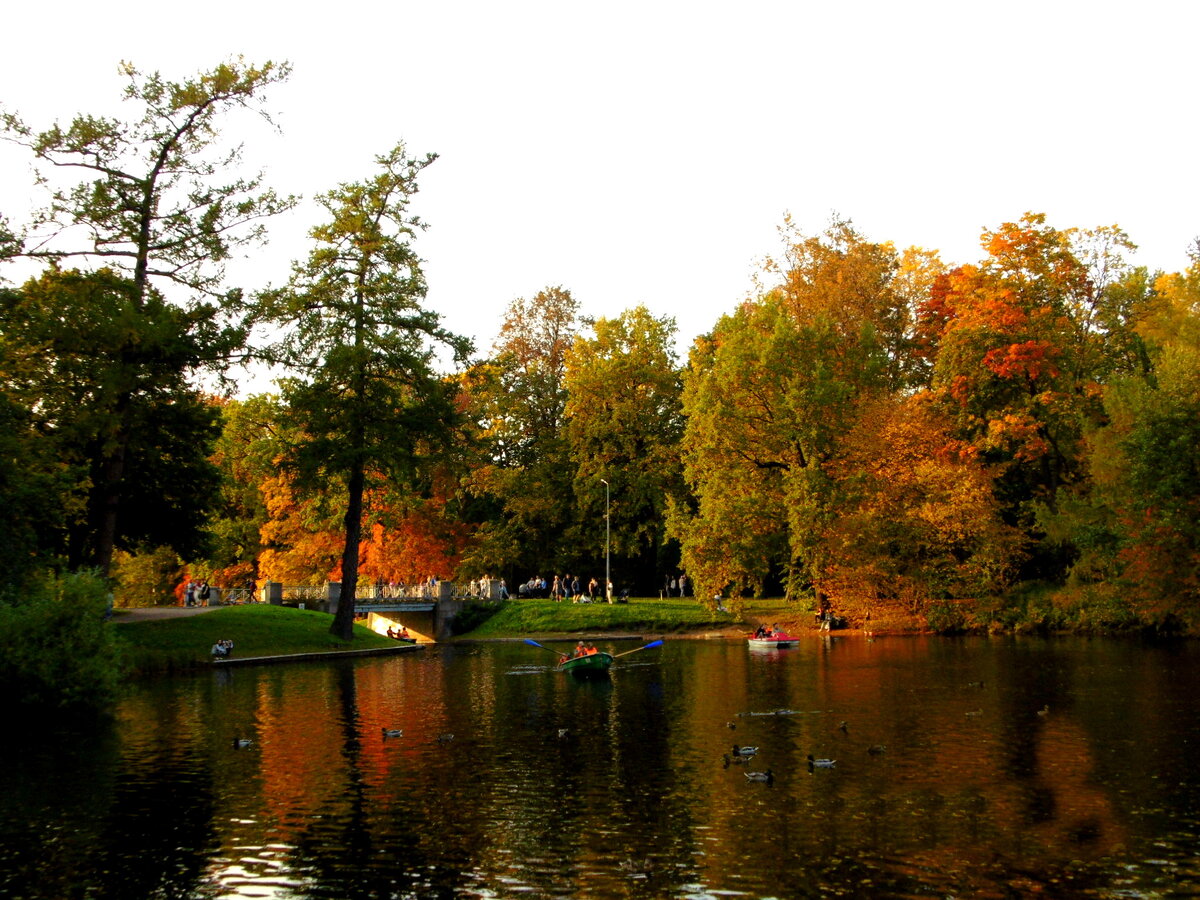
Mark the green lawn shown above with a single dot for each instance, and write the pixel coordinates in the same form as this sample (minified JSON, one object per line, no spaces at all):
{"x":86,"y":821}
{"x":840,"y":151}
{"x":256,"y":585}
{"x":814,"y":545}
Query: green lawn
{"x":255,"y":631}
{"x":640,"y":615}
{"x":258,"y":630}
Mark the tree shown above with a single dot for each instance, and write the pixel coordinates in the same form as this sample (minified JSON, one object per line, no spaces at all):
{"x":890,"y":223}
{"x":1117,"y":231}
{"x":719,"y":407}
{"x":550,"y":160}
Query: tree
{"x":769,"y":394}
{"x":1146,"y":462}
{"x":148,"y":203}
{"x":253,"y":432}
{"x":366,"y":397}
{"x":917,"y":518}
{"x":113,"y":375}
{"x":34,"y":489}
{"x":761,"y":413}
{"x":523,"y":482}
{"x":1025,"y":342}
{"x":623,"y":425}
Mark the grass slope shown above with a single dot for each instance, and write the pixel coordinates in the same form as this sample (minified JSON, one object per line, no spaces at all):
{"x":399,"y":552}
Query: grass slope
{"x":640,"y":615}
{"x":255,"y":631}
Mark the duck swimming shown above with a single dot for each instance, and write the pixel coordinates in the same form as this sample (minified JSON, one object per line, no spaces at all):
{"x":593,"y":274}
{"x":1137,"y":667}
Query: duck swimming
{"x":743,"y":751}
{"x":821,"y":763}
{"x":241,"y":743}
{"x":392,"y":732}
{"x":767,"y":776}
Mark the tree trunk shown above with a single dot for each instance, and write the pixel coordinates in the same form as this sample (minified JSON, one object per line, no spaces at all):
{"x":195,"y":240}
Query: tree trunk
{"x":109,"y":491}
{"x":343,"y":622}
{"x":108,"y":509}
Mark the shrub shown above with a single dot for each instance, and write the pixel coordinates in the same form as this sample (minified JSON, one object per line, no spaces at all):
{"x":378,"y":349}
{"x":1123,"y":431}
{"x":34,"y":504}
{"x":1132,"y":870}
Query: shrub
{"x":945,"y":617}
{"x":56,"y":651}
{"x":146,"y":578}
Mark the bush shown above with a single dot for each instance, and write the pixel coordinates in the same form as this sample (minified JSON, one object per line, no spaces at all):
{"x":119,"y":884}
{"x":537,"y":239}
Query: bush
{"x":146,"y":578}
{"x":56,"y":651}
{"x":945,"y":617}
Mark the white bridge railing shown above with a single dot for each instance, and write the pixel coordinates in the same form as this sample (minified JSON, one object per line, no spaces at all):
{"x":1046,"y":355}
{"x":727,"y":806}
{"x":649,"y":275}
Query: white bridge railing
{"x":367,"y":592}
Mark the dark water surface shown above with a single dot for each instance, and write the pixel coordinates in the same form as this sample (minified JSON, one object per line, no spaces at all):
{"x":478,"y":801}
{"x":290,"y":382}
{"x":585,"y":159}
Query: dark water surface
{"x":976,"y":794}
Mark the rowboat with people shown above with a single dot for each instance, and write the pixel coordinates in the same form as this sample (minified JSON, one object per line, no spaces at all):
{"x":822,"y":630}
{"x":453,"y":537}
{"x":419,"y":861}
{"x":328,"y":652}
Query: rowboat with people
{"x":585,"y":661}
{"x":771,"y":638}
{"x":591,"y":665}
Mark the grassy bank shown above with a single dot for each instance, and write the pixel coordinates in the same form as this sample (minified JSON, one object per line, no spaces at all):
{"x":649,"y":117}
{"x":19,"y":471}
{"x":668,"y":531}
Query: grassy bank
{"x":255,"y":631}
{"x":182,"y":643}
{"x":641,"y":615}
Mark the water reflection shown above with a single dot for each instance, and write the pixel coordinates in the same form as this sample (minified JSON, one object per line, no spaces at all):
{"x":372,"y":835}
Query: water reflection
{"x":1001,"y":768}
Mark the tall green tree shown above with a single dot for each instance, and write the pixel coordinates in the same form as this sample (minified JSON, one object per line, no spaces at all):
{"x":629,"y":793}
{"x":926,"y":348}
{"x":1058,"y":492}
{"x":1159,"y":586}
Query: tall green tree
{"x":624,"y":422}
{"x":252,"y":436}
{"x":769,"y":394}
{"x":34,"y":489}
{"x":1146,"y":464}
{"x":366,"y":394}
{"x":156,"y":197}
{"x":523,"y":482}
{"x":114,"y":376}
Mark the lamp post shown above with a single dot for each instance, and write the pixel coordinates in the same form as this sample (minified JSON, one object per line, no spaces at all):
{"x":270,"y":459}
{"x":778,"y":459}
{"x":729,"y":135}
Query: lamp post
{"x":607,"y":577}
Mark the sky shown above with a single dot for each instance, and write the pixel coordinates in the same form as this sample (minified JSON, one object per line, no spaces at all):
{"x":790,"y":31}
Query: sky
{"x":647,"y":152}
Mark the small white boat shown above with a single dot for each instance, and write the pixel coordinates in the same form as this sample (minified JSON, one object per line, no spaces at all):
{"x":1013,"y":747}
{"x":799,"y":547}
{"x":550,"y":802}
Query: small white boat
{"x":775,"y":640}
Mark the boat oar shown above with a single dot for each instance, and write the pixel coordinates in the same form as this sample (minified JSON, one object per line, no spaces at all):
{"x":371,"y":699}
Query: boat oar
{"x":543,"y":646}
{"x":636,"y":649}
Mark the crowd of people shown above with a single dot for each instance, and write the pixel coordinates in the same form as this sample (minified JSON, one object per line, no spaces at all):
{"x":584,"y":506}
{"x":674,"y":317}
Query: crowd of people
{"x":486,"y":587}
{"x":222,"y":648}
{"x":563,"y":587}
{"x":399,"y":634}
{"x":196,"y":594}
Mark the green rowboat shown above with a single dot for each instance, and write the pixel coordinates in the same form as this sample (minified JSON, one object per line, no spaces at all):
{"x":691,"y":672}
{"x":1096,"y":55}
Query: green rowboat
{"x":592,"y":666}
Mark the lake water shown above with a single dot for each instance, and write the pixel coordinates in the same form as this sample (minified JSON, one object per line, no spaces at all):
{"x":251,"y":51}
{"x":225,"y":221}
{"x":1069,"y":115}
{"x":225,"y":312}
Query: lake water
{"x":552,"y":787}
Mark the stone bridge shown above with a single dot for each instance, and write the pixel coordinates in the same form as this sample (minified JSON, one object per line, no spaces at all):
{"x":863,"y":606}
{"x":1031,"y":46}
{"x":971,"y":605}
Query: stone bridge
{"x":426,"y":614}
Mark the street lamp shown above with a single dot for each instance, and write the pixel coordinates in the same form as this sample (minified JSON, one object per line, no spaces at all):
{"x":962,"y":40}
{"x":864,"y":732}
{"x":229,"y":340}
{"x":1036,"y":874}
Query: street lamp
{"x":607,"y":577}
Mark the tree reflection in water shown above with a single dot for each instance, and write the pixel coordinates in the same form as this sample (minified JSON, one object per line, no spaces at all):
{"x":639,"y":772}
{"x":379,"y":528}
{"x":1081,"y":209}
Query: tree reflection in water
{"x":553,"y":787}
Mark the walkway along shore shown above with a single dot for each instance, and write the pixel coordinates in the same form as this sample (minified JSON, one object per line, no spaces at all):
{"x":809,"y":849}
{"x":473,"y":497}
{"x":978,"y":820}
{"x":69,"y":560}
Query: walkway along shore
{"x":301,"y":657}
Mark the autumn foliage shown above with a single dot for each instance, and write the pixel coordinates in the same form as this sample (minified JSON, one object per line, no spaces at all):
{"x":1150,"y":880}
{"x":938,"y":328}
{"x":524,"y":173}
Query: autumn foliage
{"x":902,"y":442}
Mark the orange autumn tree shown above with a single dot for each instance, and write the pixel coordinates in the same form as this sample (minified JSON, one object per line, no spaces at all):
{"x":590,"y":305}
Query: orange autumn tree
{"x":301,"y":538}
{"x":1016,"y":342}
{"x":406,"y":540}
{"x":918,"y":523}
{"x":411,"y":538}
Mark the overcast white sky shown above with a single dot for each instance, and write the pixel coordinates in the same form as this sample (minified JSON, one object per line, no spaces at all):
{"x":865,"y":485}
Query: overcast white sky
{"x":646,"y":152}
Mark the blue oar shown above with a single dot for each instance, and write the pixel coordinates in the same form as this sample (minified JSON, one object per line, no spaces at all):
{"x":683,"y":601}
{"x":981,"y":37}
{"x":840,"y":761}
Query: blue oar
{"x":543,"y":646}
{"x":636,"y":649}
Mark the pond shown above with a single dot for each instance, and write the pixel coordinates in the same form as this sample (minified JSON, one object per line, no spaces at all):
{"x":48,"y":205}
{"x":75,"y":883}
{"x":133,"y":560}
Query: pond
{"x":1001,"y":767}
